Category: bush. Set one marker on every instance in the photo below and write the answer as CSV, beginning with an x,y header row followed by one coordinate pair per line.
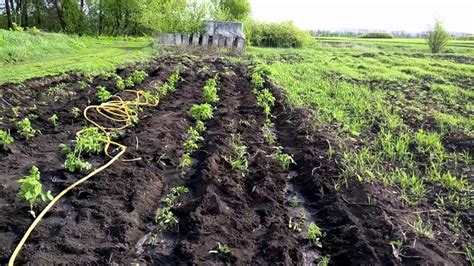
x,y
377,35
437,37
285,35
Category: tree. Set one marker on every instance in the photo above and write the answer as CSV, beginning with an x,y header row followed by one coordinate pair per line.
x,y
232,10
437,37
9,14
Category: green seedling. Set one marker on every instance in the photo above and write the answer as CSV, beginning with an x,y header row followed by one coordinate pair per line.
x,y
265,100
221,249
268,132
284,159
209,92
82,85
103,94
16,111
314,235
324,261
74,163
164,217
170,85
54,120
421,228
185,163
91,140
25,129
239,159
31,189
190,145
119,83
201,112
138,76
76,112
294,202
200,126
5,138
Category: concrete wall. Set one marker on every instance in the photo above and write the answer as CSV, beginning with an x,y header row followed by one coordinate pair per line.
x,y
216,35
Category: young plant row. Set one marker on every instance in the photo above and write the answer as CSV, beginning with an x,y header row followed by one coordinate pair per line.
x,y
266,101
200,113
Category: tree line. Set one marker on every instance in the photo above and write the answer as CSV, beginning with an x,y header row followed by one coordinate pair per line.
x,y
119,17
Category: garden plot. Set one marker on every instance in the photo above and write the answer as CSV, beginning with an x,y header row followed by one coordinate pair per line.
x,y
221,170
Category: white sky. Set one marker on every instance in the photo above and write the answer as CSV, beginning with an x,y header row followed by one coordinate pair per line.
x,y
408,15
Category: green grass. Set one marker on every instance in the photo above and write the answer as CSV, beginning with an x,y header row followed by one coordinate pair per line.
x,y
25,55
391,110
412,45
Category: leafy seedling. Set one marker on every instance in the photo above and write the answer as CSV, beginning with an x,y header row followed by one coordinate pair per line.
x,y
103,94
185,163
314,235
76,112
221,249
54,120
73,163
209,92
284,159
25,129
201,112
31,189
5,138
120,84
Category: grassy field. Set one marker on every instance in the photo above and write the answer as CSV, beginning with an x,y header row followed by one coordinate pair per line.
x,y
25,55
403,120
400,45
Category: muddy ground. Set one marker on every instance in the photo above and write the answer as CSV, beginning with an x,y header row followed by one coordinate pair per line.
x,y
110,218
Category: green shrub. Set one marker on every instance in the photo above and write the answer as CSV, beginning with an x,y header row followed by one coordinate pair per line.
x,y
283,34
437,37
377,35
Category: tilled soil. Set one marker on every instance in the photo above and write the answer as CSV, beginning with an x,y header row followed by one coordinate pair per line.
x,y
110,218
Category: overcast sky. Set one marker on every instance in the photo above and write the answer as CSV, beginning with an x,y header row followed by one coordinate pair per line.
x,y
408,15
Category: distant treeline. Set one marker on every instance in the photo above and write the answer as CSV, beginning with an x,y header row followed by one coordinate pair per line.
x,y
118,17
365,34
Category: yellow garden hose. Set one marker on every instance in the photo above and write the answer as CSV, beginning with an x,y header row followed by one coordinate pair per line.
x,y
117,111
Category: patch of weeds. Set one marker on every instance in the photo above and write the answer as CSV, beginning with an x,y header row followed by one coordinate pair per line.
x,y
31,188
